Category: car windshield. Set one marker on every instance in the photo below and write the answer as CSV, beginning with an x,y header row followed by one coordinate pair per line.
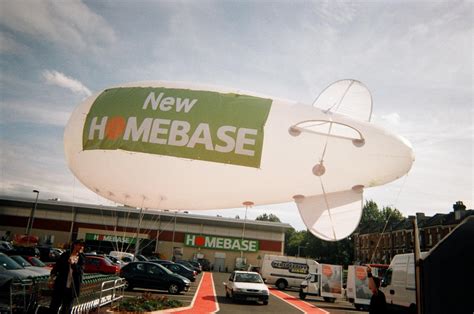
x,y
20,260
243,277
8,263
37,262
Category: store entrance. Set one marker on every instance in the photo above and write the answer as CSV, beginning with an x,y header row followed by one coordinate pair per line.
x,y
219,262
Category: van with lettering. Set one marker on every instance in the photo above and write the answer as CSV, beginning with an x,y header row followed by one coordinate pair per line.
x,y
287,271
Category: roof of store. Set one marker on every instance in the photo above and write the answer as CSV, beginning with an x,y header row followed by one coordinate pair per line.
x,y
132,212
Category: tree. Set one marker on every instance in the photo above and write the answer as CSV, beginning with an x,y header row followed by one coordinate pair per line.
x,y
370,214
293,239
339,252
391,215
265,217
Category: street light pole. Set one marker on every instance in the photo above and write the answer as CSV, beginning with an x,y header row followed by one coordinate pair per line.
x,y
32,218
247,204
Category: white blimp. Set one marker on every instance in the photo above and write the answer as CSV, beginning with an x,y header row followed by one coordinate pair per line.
x,y
182,146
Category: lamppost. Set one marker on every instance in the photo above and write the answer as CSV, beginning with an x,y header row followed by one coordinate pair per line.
x,y
174,231
32,218
247,204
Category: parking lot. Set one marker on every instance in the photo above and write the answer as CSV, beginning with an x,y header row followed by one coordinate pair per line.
x,y
279,301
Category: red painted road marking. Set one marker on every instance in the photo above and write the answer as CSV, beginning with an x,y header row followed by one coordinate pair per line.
x,y
297,303
205,300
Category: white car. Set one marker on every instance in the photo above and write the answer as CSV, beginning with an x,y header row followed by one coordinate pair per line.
x,y
247,286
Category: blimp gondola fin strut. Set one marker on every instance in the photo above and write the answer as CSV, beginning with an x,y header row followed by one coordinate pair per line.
x,y
333,216
329,128
349,97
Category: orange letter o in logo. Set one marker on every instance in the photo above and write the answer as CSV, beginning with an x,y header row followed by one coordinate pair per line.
x,y
115,128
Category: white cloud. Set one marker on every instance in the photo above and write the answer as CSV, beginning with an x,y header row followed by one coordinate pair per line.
x,y
61,80
68,23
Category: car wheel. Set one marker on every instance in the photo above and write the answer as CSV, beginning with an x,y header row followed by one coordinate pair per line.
x,y
227,294
330,300
281,284
128,285
173,288
302,295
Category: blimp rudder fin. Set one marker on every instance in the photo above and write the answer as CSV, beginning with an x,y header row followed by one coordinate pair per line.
x,y
331,216
349,97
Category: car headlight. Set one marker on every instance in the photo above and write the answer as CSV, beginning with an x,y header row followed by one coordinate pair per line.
x,y
265,292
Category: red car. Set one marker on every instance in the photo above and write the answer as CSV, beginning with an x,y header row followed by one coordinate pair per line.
x,y
100,264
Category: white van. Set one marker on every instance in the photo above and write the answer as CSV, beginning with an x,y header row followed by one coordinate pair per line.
x,y
399,284
357,290
286,271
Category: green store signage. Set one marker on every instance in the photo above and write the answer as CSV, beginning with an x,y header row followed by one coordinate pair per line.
x,y
221,243
202,125
110,238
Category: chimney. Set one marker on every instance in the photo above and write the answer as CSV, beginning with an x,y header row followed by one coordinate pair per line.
x,y
459,208
420,216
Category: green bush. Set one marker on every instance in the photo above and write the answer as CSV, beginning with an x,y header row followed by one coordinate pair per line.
x,y
146,303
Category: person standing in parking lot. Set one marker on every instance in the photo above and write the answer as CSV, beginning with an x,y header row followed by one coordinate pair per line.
x,y
67,275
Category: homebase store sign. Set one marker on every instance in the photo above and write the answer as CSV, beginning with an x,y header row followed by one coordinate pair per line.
x,y
111,238
220,243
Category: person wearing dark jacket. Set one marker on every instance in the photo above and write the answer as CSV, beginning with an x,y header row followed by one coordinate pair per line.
x,y
67,272
378,303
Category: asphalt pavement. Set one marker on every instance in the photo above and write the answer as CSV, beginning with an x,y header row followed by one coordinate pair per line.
x,y
275,304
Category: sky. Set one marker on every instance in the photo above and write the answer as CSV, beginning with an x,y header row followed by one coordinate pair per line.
x,y
416,58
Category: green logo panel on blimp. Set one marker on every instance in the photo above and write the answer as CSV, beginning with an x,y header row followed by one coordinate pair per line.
x,y
202,125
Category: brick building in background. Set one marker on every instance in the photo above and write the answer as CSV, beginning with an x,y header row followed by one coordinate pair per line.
x,y
371,245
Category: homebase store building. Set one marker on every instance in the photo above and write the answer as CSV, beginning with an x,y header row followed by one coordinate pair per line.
x,y
182,235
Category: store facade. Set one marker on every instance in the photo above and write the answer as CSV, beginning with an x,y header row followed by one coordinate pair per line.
x,y
224,242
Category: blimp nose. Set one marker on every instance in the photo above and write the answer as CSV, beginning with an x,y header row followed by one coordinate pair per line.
x,y
409,154
400,157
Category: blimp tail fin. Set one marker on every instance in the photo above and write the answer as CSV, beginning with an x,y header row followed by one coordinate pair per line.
x,y
331,216
349,97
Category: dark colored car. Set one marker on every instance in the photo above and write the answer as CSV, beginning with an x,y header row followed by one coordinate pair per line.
x,y
47,254
41,271
6,247
100,264
153,276
25,251
141,258
179,269
189,265
206,265
196,264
